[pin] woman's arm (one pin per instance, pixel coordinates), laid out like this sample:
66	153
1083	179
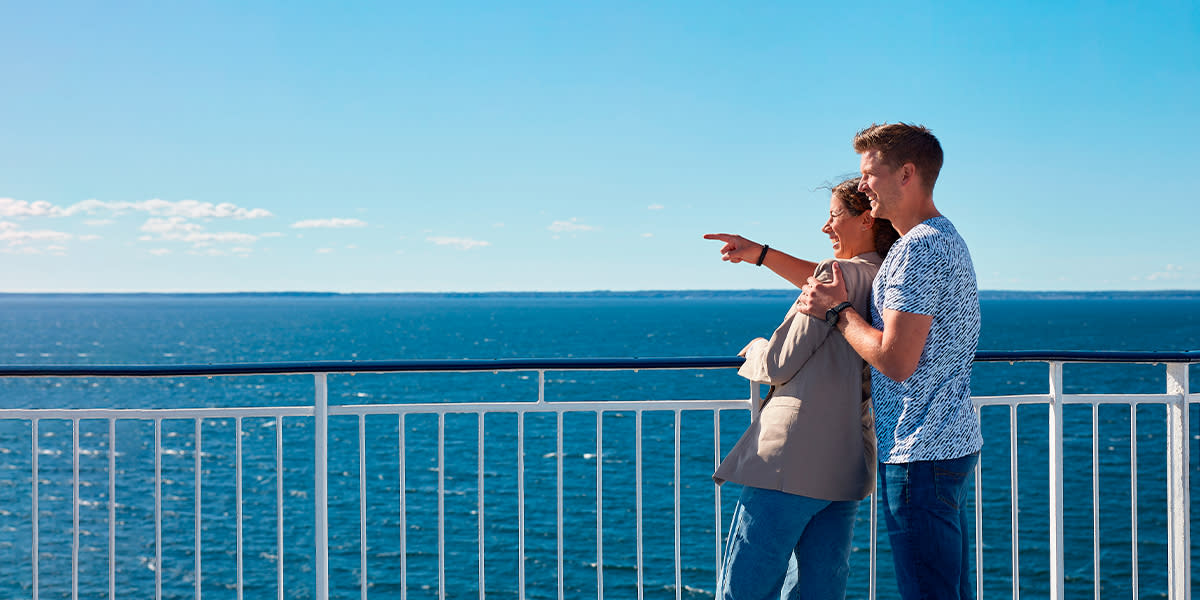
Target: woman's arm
739	249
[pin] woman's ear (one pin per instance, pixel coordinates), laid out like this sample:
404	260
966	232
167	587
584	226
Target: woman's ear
867	221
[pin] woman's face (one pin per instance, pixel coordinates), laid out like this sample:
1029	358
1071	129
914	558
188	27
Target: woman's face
845	230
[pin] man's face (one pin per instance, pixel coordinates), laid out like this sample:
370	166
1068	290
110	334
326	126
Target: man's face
880	183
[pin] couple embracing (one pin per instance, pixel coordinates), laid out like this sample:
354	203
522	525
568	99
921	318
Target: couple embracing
870	373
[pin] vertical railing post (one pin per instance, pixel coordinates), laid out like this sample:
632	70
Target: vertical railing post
1057	572
755	400
1178	495
321	484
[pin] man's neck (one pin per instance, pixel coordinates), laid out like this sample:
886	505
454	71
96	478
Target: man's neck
924	211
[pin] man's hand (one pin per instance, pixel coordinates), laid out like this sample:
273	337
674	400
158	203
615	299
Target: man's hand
737	248
819	297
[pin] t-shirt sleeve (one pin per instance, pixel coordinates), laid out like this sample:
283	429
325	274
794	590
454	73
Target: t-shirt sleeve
916	279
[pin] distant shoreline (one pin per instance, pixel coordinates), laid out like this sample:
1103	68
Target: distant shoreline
678	294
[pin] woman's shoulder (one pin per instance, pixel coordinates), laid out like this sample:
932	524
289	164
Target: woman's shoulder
868	261
862	266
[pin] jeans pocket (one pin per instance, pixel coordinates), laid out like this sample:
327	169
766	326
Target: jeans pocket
949	486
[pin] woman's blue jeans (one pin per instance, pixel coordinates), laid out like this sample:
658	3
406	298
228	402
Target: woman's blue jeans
924	503
770	528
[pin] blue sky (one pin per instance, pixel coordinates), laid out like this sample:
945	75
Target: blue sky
472	146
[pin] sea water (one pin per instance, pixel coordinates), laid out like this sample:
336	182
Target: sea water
192	329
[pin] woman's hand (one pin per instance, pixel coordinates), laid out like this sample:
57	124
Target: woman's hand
737	248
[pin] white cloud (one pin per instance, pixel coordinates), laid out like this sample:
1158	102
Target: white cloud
89	237
20	208
99	222
178	229
174	226
647	235
460	243
190	209
14	235
21	249
1169	273
324	250
328	223
655	206
570	225
271	234
160	251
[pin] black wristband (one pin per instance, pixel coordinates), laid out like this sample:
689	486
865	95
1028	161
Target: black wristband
762	256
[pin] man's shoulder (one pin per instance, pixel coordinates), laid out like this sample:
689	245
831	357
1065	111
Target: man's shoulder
934	230
936	236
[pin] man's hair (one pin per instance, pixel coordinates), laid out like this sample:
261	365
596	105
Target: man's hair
900	143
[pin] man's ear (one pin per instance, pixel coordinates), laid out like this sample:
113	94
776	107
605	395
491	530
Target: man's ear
908	173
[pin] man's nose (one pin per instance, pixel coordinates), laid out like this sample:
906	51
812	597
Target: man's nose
862	185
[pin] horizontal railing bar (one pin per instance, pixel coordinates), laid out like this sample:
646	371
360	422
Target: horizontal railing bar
156	413
374	366
528	364
543	407
1011	400
1091	399
1083	356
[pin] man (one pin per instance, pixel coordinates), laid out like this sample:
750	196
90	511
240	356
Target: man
920	341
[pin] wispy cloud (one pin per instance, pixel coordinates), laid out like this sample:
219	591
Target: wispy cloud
21	208
655	207
328	223
1169	273
15	239
179	229
569	226
457	242
191	209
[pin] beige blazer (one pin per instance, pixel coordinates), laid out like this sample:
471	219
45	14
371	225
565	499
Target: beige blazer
815	435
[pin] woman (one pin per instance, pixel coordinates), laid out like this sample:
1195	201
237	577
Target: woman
808	457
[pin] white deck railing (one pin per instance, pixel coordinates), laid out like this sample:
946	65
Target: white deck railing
1175	474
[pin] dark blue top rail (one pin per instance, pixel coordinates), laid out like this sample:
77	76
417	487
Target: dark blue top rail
527	364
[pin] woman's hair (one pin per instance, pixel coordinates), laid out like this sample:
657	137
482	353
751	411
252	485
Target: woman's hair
857	203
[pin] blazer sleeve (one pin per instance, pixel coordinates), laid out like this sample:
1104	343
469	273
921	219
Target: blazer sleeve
793	343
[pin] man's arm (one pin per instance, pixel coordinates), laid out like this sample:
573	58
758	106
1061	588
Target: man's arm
895	351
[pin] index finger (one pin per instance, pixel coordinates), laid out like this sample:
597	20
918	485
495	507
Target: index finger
724	237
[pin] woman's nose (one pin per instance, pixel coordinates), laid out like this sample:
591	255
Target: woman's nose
826	227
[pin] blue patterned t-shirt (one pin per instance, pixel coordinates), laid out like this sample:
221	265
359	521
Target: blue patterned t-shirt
929	415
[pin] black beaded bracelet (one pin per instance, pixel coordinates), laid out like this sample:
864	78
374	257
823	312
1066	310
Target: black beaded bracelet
762	256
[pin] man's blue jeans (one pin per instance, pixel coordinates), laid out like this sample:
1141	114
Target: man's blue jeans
769	528
924	503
